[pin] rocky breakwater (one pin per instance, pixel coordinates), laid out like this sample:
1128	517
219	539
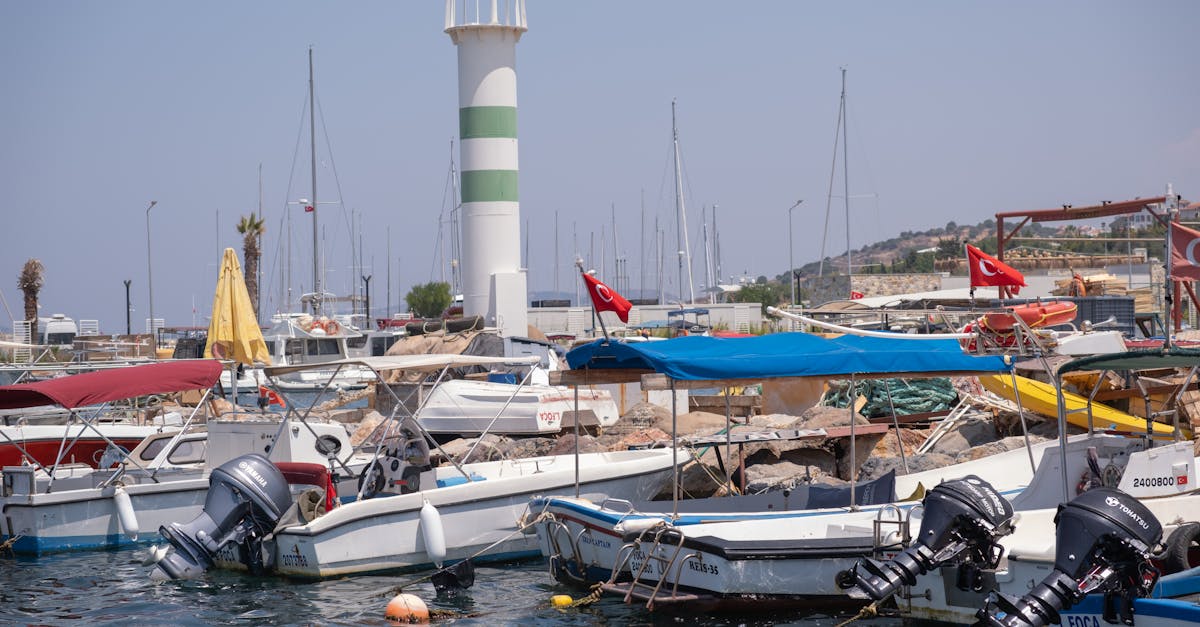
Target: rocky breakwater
766	454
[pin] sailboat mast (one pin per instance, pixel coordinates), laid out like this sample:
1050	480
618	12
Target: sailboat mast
846	183
312	136
681	238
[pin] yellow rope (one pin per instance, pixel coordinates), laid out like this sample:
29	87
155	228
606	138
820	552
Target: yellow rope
592	597
870	611
6	546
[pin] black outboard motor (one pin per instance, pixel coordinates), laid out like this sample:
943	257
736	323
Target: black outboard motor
963	519
246	497
1104	538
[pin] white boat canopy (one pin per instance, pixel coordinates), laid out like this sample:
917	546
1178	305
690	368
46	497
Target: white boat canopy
428	363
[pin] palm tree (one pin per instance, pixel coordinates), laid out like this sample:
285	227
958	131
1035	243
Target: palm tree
30	283
251	228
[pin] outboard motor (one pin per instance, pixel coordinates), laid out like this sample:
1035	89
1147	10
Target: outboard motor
963	520
1104	538
246	497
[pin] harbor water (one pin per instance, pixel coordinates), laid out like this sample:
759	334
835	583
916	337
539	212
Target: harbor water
112	588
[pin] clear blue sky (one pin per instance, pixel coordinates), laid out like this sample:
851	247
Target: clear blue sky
957	110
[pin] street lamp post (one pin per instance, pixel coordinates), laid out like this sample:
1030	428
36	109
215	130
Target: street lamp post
150	266
792	264
128	308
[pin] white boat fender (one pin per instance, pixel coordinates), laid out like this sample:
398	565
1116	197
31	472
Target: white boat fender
435	537
125	513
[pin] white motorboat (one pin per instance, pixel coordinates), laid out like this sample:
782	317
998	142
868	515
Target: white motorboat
586	540
72	506
412	515
466	406
793	560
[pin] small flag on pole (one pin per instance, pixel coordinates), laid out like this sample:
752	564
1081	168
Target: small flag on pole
605	298
855	294
309	209
987	270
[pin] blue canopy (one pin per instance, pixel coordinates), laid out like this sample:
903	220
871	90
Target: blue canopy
701	358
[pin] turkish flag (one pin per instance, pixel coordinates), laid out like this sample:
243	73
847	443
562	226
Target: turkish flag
604	298
855	295
987	270
1184	241
309	209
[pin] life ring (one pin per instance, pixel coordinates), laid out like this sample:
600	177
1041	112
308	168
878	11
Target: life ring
1177	546
332	327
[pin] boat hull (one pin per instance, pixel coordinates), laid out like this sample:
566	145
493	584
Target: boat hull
482	520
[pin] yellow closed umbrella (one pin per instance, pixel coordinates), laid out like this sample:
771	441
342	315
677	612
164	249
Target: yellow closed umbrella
234	332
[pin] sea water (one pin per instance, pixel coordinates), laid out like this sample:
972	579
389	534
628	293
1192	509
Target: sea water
113	588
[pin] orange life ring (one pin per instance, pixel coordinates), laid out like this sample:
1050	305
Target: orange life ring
332	327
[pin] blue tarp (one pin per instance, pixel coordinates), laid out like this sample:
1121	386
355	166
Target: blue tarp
702	358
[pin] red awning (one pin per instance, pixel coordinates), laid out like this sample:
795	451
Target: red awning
102	386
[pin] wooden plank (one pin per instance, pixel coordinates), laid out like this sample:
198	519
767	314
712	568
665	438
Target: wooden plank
598	376
659	381
1109	395
911	418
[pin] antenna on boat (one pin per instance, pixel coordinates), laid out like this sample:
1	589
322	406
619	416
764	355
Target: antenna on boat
312	137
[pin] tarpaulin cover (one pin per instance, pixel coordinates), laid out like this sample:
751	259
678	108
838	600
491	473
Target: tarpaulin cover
1174	357
114	384
700	358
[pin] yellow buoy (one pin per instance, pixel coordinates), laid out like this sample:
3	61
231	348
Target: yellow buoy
407	608
561	600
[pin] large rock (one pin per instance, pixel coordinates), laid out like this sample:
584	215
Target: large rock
999	446
566	445
520	448
691	422
820	417
969	432
643	438
366	427
878	466
783	475
696	481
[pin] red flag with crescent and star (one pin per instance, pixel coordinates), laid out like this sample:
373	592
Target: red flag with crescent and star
604	298
1185	258
987	270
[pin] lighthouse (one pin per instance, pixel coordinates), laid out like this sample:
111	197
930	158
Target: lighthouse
486	33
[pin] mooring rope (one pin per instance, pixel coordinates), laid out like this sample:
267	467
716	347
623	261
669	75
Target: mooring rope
870	611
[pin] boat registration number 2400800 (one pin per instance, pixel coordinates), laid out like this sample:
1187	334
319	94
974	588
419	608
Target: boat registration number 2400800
1158	482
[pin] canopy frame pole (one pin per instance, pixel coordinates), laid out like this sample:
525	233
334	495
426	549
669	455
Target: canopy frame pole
853	445
86	423
728	443
1177	397
887	387
178	436
675	450
1062	434
1024	425
576	386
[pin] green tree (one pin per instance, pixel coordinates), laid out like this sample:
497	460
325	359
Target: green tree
30	283
767	293
251	228
429	300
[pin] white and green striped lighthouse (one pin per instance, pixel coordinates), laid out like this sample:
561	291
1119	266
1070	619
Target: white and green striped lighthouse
494	284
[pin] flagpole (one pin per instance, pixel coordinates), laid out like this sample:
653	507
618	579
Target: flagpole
1169	285
595	312
967	256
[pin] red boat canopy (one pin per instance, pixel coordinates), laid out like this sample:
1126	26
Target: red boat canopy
102	386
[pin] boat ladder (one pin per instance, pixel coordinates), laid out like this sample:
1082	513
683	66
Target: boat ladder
884	540
569	570
666	539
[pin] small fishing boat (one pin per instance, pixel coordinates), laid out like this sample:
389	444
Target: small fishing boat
67	506
409	514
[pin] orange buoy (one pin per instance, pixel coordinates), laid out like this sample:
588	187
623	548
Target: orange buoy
407	609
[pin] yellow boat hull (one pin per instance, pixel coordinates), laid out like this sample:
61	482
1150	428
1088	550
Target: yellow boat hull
1041	399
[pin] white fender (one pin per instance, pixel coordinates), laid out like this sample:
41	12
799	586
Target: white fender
125	513
435	537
